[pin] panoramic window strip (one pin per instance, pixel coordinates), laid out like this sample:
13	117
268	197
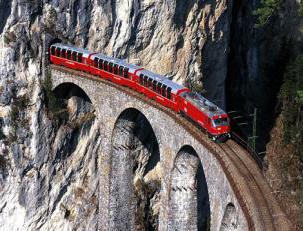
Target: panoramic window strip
154	85
111	67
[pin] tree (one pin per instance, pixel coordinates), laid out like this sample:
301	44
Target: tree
266	10
291	96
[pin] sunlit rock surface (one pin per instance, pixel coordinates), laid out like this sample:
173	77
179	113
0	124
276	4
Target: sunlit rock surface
47	166
46	162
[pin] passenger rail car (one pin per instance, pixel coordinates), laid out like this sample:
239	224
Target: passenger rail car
166	92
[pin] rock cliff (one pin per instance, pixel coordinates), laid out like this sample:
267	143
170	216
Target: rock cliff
48	158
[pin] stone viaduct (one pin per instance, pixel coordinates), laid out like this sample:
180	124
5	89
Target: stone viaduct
200	186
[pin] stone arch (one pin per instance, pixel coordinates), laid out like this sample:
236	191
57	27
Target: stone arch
69	89
189	199
73	116
134	181
229	220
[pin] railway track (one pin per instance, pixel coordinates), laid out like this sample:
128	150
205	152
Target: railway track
251	187
254	195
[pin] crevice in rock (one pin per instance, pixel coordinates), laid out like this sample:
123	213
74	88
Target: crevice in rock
5	11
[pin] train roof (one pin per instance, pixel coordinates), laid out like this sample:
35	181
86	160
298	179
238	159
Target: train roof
159	78
85	52
206	106
120	62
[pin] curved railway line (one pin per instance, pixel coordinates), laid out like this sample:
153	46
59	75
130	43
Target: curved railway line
254	195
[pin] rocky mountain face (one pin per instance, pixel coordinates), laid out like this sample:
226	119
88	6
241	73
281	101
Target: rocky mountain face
48	162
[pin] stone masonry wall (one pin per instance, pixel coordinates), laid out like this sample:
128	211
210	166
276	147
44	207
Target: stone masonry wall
109	103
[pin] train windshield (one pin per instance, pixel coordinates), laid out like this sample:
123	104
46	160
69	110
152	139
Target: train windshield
220	122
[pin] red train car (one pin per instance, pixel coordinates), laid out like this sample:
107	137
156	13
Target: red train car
115	70
71	57
159	88
171	95
206	114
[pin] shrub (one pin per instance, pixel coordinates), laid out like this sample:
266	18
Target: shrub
301	8
291	96
9	37
266	10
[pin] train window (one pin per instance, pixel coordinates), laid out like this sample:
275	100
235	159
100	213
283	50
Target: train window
121	71
126	72
159	88
116	69
155	85
169	92
74	55
58	51
145	81
69	54
63	53
141	79
111	67
164	90
105	65
150	83
96	61
53	50
100	64
80	57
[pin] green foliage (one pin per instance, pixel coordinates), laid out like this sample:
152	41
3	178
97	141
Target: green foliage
301	8
266	10
300	96
9	37
291	95
54	106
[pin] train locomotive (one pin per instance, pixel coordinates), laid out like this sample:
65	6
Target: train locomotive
193	106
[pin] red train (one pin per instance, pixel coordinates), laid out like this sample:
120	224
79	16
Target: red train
172	95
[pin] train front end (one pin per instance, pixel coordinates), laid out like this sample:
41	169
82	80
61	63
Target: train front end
220	128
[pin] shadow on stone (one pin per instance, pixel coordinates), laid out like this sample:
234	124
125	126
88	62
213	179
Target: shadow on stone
135	187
